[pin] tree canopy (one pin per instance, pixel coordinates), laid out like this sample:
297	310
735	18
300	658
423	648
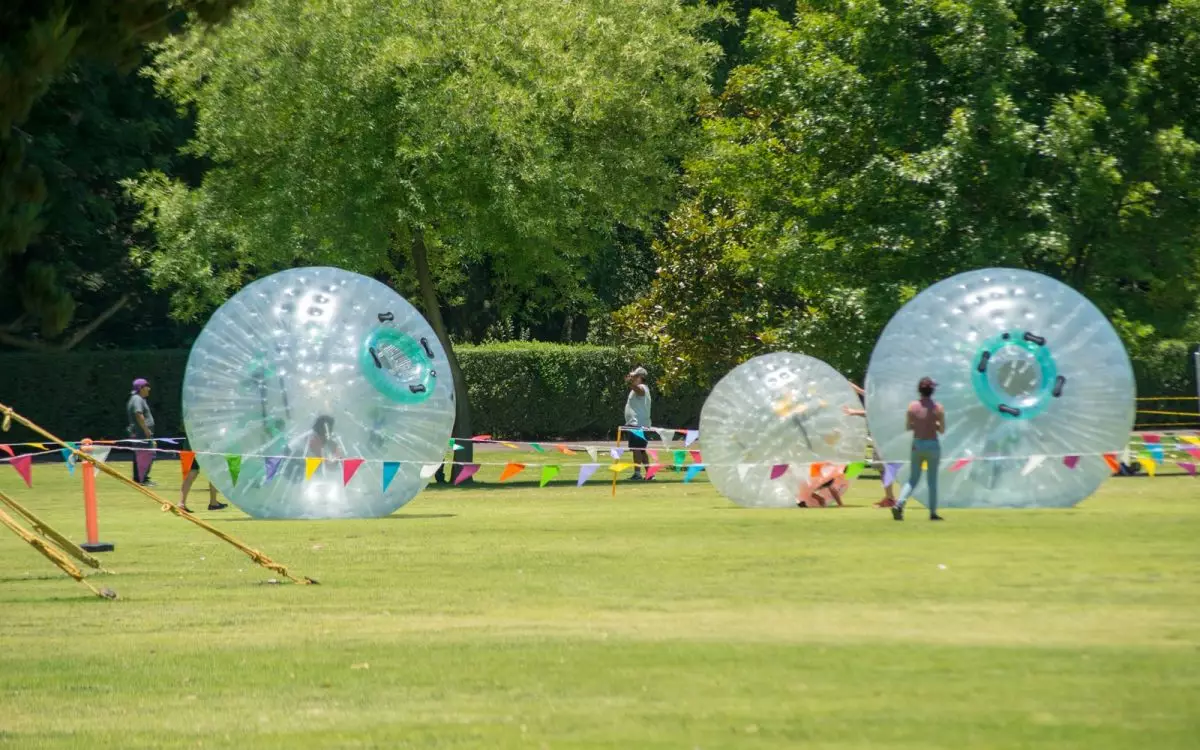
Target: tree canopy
868	149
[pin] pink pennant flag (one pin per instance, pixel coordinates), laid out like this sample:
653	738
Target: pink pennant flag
466	473
6	448
652	469
960	464
1192	451
1151	438
143	458
349	466
1187	466
481	438
24	467
778	470
696	457
1070	461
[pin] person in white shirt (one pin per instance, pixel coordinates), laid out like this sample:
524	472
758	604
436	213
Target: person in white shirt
637	416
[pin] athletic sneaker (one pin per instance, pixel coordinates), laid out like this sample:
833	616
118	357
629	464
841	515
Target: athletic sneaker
936	517
898	512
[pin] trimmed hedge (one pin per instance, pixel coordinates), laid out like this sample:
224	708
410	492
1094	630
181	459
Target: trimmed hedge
518	390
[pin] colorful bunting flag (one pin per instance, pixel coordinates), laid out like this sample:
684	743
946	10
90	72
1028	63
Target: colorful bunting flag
428	470
692	471
652	469
101	453
1149	464
585	472
778	470
481	438
616	453
548	473
235	467
815	469
652	454
511	469
1070	461
390	468
960	464
169	441
1111	460
466	473
7	449
1193	452
349	467
1187	466
666	435
564	450
1154	448
186	459
679	456
1193	439
889	473
855	468
143	459
68	459
619	467
273	462
1032	464
690	437
39	446
696	457
743	470
311	465
537	447
24	466
510	446
593	452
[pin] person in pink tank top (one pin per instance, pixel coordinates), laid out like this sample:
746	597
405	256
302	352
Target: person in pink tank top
926	419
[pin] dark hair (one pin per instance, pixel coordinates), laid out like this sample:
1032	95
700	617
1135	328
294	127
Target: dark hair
926	386
323	426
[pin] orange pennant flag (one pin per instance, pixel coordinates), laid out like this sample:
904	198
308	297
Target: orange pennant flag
1111	460
565	450
310	466
511	470
185	461
815	470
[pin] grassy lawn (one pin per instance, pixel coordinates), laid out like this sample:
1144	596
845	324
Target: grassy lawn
513	616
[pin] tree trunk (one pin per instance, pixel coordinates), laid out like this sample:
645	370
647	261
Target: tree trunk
71	342
462	406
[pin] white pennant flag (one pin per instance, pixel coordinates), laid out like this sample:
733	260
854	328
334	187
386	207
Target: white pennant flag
665	434
593	452
428	470
100	453
1033	463
743	470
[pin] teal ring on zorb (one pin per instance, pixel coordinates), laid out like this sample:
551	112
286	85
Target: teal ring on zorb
398	366
1016	375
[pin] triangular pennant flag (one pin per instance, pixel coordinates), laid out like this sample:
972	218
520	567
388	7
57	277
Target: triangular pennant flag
1194	452
101	453
6	448
1193	439
1151	438
665	434
143	459
889	473
428	470
1032	464
652	454
235	467
511	469
638	433
616	453
1187	466
69	460
1153	447
311	465
24	466
466	473
349	466
1111	460
480	438
690	437
510	446
169	441
1149	464
1070	461
692	471
593	452
960	464
696	457
652	469
585	473
389	472
815	469
778	470
272	463
186	459
39	446
548	473
855	468
564	450
618	468
743	470
679	456
537	447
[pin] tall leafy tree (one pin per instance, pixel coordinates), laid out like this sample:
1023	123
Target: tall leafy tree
868	149
40	40
381	137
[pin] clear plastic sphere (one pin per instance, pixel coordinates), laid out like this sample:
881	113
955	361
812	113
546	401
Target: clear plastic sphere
780	408
1025	366
317	363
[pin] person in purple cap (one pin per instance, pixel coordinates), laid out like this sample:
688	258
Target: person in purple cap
141	428
926	419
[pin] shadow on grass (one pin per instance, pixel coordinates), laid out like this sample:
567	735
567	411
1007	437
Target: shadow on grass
392	517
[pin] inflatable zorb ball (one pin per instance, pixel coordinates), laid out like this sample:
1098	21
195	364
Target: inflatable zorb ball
779	408
1026	367
317	363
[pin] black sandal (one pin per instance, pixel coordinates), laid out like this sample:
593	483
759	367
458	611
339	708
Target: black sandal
218	506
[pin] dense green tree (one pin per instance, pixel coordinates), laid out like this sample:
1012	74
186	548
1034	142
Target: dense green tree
868	149
418	137
40	40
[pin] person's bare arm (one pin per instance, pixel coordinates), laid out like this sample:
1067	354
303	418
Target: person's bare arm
858	390
854	412
941	420
908	420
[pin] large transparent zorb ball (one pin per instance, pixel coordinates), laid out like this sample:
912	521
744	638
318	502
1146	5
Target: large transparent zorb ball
318	363
779	408
1026	367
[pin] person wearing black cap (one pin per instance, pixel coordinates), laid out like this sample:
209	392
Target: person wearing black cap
926	419
141	429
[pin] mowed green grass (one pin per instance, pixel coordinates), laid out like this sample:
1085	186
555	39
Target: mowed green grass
663	617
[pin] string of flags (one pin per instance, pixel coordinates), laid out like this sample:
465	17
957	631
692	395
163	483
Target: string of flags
1151	454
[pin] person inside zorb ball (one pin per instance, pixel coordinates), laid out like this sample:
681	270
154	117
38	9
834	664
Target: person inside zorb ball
769	421
317	393
1036	386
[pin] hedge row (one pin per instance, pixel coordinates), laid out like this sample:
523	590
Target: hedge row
518	390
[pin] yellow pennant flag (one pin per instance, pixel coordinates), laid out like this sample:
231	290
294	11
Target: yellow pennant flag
310	466
1190	439
618	468
513	446
1148	463
39	446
